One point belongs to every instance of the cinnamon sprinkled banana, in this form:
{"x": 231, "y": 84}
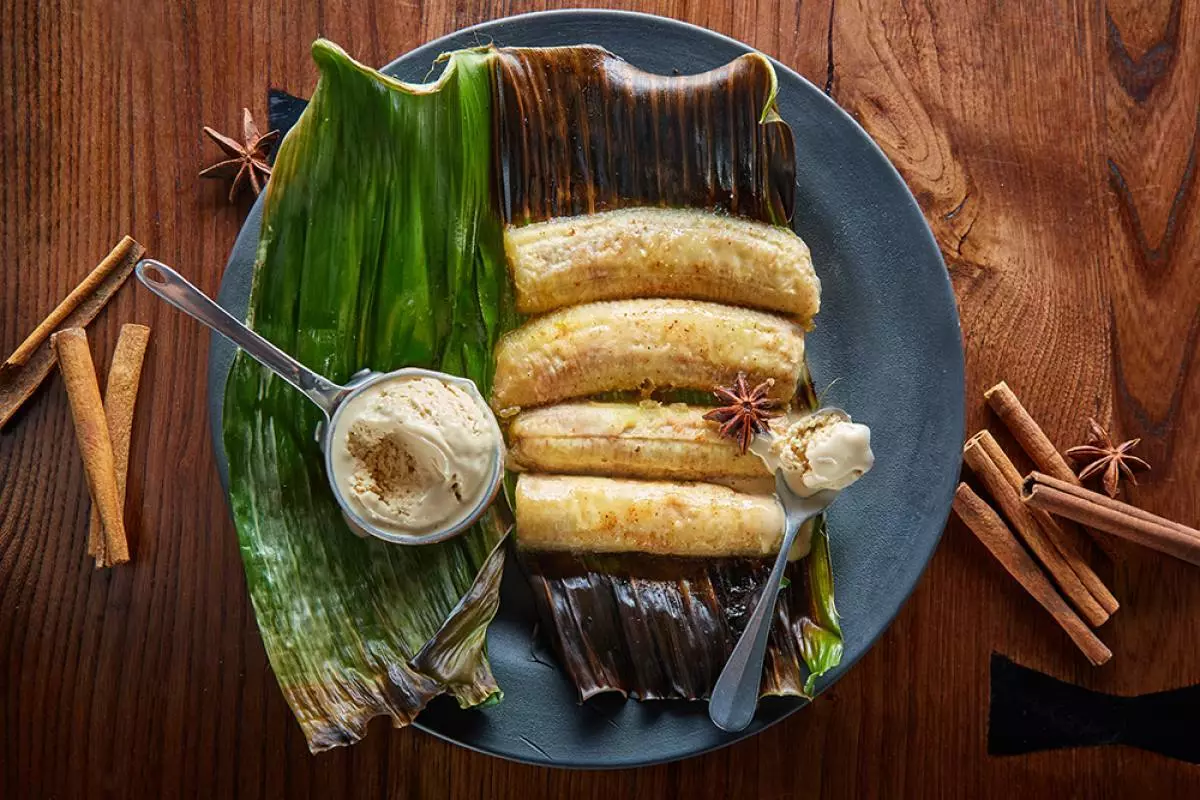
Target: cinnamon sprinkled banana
{"x": 636, "y": 440}
{"x": 640, "y": 344}
{"x": 662, "y": 252}
{"x": 609, "y": 515}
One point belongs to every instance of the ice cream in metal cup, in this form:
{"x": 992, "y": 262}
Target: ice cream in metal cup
{"x": 416, "y": 477}
{"x": 406, "y": 467}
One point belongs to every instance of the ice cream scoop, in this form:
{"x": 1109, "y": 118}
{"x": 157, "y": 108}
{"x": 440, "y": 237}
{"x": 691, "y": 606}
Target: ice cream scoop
{"x": 397, "y": 473}
{"x": 410, "y": 453}
{"x": 817, "y": 451}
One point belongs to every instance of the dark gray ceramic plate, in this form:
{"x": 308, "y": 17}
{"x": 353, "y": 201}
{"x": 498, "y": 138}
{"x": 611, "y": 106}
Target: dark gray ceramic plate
{"x": 888, "y": 332}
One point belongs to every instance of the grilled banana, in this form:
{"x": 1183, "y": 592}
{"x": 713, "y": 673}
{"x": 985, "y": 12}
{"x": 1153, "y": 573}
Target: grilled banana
{"x": 607, "y": 515}
{"x": 640, "y": 344}
{"x": 662, "y": 252}
{"x": 636, "y": 440}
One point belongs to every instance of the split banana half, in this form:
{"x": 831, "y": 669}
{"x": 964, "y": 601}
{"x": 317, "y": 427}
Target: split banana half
{"x": 662, "y": 252}
{"x": 589, "y": 514}
{"x": 644, "y": 344}
{"x": 634, "y": 440}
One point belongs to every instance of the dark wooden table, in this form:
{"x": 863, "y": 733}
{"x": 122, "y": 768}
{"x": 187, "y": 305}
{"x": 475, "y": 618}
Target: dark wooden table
{"x": 1053, "y": 149}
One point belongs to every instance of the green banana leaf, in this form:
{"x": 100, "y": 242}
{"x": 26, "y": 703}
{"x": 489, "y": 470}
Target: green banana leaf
{"x": 380, "y": 248}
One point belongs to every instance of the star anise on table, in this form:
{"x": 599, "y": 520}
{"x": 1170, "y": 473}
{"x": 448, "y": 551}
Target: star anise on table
{"x": 247, "y": 161}
{"x": 747, "y": 411}
{"x": 1101, "y": 455}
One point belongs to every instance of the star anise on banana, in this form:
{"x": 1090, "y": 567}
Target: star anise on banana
{"x": 746, "y": 411}
{"x": 1102, "y": 456}
{"x": 247, "y": 160}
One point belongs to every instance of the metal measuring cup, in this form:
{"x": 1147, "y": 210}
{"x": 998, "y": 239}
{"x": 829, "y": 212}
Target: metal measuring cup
{"x": 330, "y": 397}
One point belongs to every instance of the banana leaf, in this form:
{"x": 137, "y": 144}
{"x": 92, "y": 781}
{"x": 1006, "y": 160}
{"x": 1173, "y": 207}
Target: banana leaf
{"x": 579, "y": 131}
{"x": 380, "y": 248}
{"x": 658, "y": 627}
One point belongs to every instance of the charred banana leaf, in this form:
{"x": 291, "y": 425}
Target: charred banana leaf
{"x": 578, "y": 131}
{"x": 658, "y": 628}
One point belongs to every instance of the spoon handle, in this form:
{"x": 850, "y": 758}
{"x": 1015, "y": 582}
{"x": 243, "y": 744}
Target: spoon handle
{"x": 176, "y": 290}
{"x": 735, "y": 695}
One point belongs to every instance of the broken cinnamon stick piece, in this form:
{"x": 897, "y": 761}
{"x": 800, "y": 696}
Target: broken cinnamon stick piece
{"x": 120, "y": 396}
{"x": 91, "y": 430}
{"x": 1009, "y": 500}
{"x": 1070, "y": 542}
{"x": 18, "y": 383}
{"x": 998, "y": 538}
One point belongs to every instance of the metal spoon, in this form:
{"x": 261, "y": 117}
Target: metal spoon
{"x": 330, "y": 397}
{"x": 735, "y": 695}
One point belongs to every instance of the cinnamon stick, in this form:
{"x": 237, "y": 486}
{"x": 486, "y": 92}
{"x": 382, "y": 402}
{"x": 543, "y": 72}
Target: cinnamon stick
{"x": 91, "y": 430}
{"x": 1028, "y": 433}
{"x": 1112, "y": 516}
{"x": 1009, "y": 500}
{"x": 69, "y": 303}
{"x": 18, "y": 383}
{"x": 1036, "y": 444}
{"x": 1070, "y": 542}
{"x": 998, "y": 538}
{"x": 120, "y": 396}
{"x": 1101, "y": 499}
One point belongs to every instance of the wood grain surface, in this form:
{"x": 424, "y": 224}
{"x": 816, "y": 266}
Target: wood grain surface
{"x": 1053, "y": 148}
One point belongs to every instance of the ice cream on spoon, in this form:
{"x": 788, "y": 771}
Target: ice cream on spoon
{"x": 821, "y": 450}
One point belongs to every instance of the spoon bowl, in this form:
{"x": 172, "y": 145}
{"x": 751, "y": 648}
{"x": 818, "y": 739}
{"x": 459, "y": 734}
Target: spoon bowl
{"x": 332, "y": 398}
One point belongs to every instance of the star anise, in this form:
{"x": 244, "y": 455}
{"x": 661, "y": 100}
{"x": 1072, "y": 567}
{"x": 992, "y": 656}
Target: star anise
{"x": 1101, "y": 454}
{"x": 747, "y": 411}
{"x": 247, "y": 162}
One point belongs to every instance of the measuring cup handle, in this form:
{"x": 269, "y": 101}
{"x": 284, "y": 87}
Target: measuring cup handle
{"x": 176, "y": 290}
